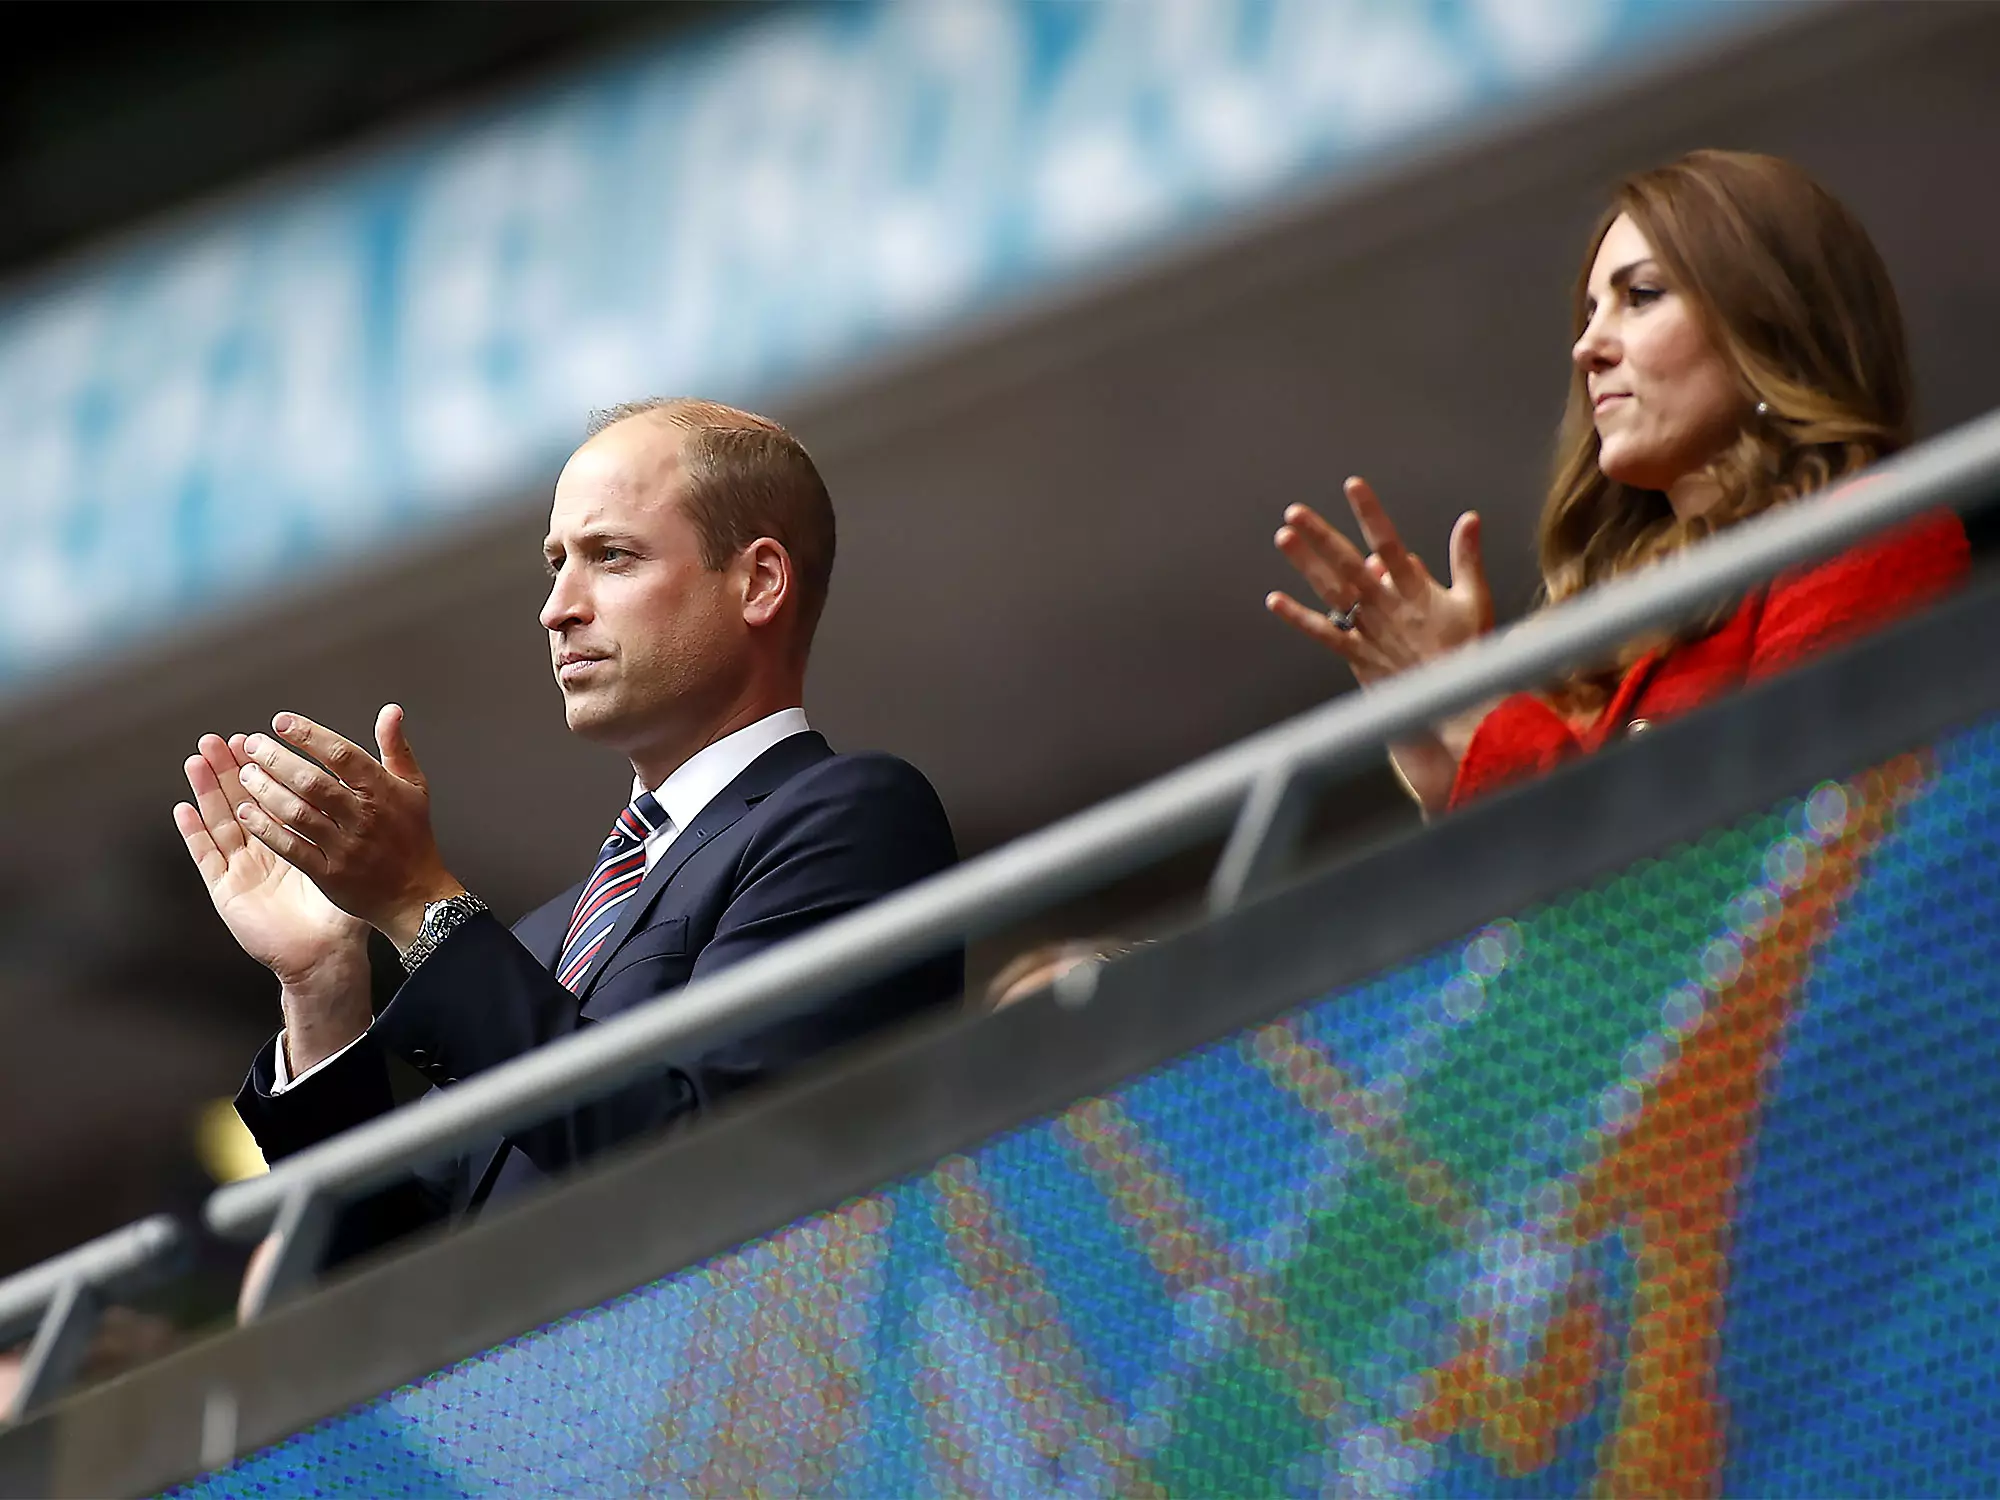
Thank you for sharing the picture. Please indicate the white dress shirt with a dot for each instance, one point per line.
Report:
(695, 783)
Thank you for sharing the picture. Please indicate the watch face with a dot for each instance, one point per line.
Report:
(464, 902)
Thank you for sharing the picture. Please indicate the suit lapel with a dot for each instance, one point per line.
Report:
(715, 817)
(759, 779)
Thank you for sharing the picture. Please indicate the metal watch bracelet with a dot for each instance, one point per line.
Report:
(441, 920)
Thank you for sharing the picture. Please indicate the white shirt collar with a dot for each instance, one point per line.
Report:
(695, 783)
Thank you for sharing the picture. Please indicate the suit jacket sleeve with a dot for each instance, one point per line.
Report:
(349, 1091)
(483, 999)
(479, 1000)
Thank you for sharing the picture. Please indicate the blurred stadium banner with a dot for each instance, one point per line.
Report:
(1634, 1133)
(205, 414)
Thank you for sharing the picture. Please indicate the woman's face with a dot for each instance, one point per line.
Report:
(1664, 400)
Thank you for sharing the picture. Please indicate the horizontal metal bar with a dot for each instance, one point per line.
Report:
(1119, 836)
(115, 1265)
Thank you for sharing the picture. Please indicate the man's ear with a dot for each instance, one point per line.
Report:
(767, 580)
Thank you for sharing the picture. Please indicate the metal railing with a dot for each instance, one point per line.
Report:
(1261, 783)
(1258, 790)
(59, 1301)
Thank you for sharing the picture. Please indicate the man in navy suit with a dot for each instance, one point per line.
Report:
(690, 548)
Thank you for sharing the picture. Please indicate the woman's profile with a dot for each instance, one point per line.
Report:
(1737, 345)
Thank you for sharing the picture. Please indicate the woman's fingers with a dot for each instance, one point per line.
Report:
(1313, 623)
(1329, 561)
(1381, 535)
(1468, 567)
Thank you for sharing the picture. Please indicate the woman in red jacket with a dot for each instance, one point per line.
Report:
(1738, 346)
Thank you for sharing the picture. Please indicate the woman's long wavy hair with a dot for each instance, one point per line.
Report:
(1794, 295)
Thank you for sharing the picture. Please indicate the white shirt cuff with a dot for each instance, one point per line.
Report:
(281, 1078)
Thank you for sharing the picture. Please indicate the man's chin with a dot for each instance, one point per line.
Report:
(590, 716)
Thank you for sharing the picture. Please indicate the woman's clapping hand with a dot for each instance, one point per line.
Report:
(1385, 614)
(1405, 617)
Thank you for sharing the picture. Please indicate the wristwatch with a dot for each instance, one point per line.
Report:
(441, 920)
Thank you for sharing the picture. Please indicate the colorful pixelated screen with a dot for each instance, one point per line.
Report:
(1685, 1182)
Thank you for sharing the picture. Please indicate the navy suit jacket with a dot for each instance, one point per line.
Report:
(801, 836)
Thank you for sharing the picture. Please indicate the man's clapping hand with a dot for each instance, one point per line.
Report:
(358, 826)
(280, 918)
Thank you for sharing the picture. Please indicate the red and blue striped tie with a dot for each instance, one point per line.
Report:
(621, 869)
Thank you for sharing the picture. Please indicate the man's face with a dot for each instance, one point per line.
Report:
(644, 639)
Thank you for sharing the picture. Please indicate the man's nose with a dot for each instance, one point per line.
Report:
(565, 604)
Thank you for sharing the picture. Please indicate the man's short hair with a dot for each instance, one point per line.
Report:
(747, 477)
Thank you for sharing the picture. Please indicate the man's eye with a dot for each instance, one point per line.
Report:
(614, 554)
(551, 566)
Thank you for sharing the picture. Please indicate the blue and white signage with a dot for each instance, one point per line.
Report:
(193, 420)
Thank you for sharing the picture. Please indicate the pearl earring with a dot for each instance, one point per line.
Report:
(1763, 408)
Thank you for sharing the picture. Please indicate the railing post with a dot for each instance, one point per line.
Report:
(298, 1237)
(60, 1342)
(1266, 836)
(60, 1300)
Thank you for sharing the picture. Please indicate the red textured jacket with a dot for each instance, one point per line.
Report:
(1796, 614)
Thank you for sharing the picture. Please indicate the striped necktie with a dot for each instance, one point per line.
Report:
(621, 869)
